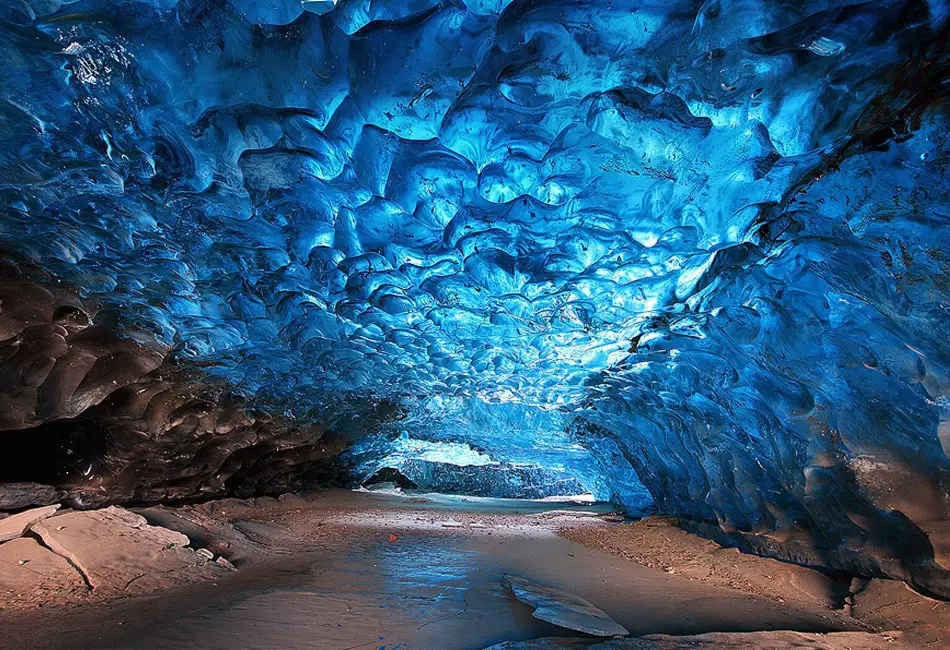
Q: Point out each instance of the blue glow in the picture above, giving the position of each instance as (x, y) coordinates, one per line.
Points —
(705, 243)
(454, 453)
(492, 213)
(522, 451)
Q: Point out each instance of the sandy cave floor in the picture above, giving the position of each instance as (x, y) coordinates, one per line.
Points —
(342, 570)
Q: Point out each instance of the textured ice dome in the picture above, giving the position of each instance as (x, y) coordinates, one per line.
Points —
(706, 240)
(420, 198)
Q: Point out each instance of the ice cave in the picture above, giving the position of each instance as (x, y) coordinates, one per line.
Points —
(449, 324)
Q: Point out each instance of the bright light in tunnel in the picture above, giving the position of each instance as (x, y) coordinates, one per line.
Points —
(453, 453)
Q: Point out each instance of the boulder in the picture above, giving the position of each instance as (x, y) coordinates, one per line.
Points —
(16, 496)
(16, 525)
(114, 548)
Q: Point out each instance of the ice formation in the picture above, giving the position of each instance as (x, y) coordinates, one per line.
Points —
(503, 450)
(705, 241)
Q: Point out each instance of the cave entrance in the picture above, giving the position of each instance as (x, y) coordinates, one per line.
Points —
(410, 465)
(54, 453)
(387, 477)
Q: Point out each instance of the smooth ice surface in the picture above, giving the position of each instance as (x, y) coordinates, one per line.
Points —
(708, 238)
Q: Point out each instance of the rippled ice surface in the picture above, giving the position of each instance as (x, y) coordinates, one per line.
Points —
(416, 198)
(706, 239)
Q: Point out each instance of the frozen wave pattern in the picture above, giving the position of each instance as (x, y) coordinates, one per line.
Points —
(473, 202)
(715, 232)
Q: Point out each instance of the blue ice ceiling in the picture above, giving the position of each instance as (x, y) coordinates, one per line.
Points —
(704, 242)
(417, 198)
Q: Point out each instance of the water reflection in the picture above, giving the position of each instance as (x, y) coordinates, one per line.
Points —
(427, 581)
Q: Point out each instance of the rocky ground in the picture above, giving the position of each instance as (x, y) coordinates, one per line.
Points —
(66, 557)
(54, 557)
(720, 641)
(659, 543)
(74, 567)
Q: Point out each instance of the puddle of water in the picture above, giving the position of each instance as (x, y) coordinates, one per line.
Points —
(485, 505)
(417, 564)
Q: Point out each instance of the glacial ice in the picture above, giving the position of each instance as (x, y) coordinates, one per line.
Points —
(697, 244)
(482, 449)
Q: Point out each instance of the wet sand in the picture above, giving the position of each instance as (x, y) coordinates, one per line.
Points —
(345, 571)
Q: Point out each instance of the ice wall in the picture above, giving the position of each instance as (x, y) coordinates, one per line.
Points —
(467, 446)
(709, 236)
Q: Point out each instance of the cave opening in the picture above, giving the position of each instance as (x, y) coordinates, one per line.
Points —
(55, 453)
(610, 318)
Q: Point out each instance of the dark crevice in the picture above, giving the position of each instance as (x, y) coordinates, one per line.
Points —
(54, 453)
